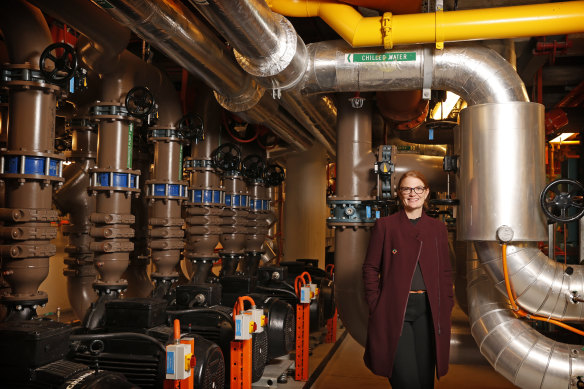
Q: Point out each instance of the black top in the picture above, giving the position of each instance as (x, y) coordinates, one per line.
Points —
(417, 280)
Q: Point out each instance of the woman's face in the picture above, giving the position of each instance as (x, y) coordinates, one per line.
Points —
(408, 193)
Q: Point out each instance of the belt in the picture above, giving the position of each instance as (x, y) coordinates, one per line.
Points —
(417, 291)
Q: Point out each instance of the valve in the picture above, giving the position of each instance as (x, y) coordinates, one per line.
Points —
(559, 196)
(191, 127)
(226, 157)
(253, 167)
(140, 102)
(274, 175)
(64, 63)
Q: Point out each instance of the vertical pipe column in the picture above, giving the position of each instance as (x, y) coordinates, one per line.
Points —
(234, 222)
(258, 224)
(74, 199)
(205, 202)
(29, 166)
(355, 161)
(113, 182)
(166, 191)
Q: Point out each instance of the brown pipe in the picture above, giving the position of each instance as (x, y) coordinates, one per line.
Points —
(354, 144)
(27, 230)
(73, 199)
(406, 108)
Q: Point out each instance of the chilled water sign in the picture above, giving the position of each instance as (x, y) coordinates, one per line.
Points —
(380, 57)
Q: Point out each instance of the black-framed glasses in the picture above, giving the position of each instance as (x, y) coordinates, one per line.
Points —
(408, 190)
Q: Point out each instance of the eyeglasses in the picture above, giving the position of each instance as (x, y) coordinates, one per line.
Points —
(408, 190)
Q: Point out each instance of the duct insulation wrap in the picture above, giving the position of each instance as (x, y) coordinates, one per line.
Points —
(501, 172)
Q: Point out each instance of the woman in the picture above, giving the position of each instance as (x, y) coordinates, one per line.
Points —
(408, 287)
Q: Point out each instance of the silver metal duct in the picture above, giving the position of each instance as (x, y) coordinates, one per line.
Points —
(477, 74)
(173, 29)
(502, 171)
(277, 60)
(543, 287)
(429, 165)
(516, 350)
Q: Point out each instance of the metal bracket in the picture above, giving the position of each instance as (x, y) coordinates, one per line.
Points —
(439, 22)
(386, 32)
(428, 68)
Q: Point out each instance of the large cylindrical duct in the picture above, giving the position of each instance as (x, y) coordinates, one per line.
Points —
(354, 182)
(501, 173)
(516, 350)
(29, 166)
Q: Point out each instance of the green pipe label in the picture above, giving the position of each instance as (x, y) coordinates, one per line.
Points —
(130, 144)
(180, 163)
(380, 57)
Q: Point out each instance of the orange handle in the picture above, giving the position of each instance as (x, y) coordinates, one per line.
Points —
(238, 307)
(176, 329)
(297, 281)
(331, 267)
(307, 274)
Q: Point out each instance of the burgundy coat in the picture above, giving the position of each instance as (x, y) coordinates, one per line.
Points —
(388, 270)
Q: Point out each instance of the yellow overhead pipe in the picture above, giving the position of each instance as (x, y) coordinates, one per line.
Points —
(438, 27)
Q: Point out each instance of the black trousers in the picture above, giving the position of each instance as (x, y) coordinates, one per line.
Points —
(415, 359)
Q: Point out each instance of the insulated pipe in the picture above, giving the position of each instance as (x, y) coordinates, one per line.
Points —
(477, 74)
(277, 60)
(355, 160)
(516, 350)
(390, 30)
(29, 166)
(174, 30)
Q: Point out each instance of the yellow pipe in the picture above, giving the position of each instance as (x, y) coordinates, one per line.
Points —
(438, 27)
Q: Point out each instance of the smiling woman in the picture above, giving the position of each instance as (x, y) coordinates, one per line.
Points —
(408, 287)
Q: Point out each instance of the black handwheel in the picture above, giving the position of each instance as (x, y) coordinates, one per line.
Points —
(274, 175)
(139, 101)
(253, 167)
(559, 197)
(191, 127)
(64, 62)
(444, 202)
(226, 157)
(62, 144)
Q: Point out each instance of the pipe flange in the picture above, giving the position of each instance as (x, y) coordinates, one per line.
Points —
(353, 211)
(117, 180)
(110, 111)
(23, 76)
(102, 287)
(19, 302)
(31, 166)
(166, 190)
(212, 197)
(191, 164)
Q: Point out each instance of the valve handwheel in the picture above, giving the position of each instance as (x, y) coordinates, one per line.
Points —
(58, 62)
(559, 197)
(191, 127)
(253, 166)
(226, 157)
(274, 175)
(139, 101)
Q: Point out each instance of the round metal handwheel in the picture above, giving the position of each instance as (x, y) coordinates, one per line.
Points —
(139, 102)
(58, 63)
(226, 157)
(560, 197)
(191, 127)
(253, 167)
(274, 175)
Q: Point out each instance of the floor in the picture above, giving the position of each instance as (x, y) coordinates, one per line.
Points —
(340, 365)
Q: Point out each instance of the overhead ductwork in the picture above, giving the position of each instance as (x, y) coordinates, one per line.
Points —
(174, 30)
